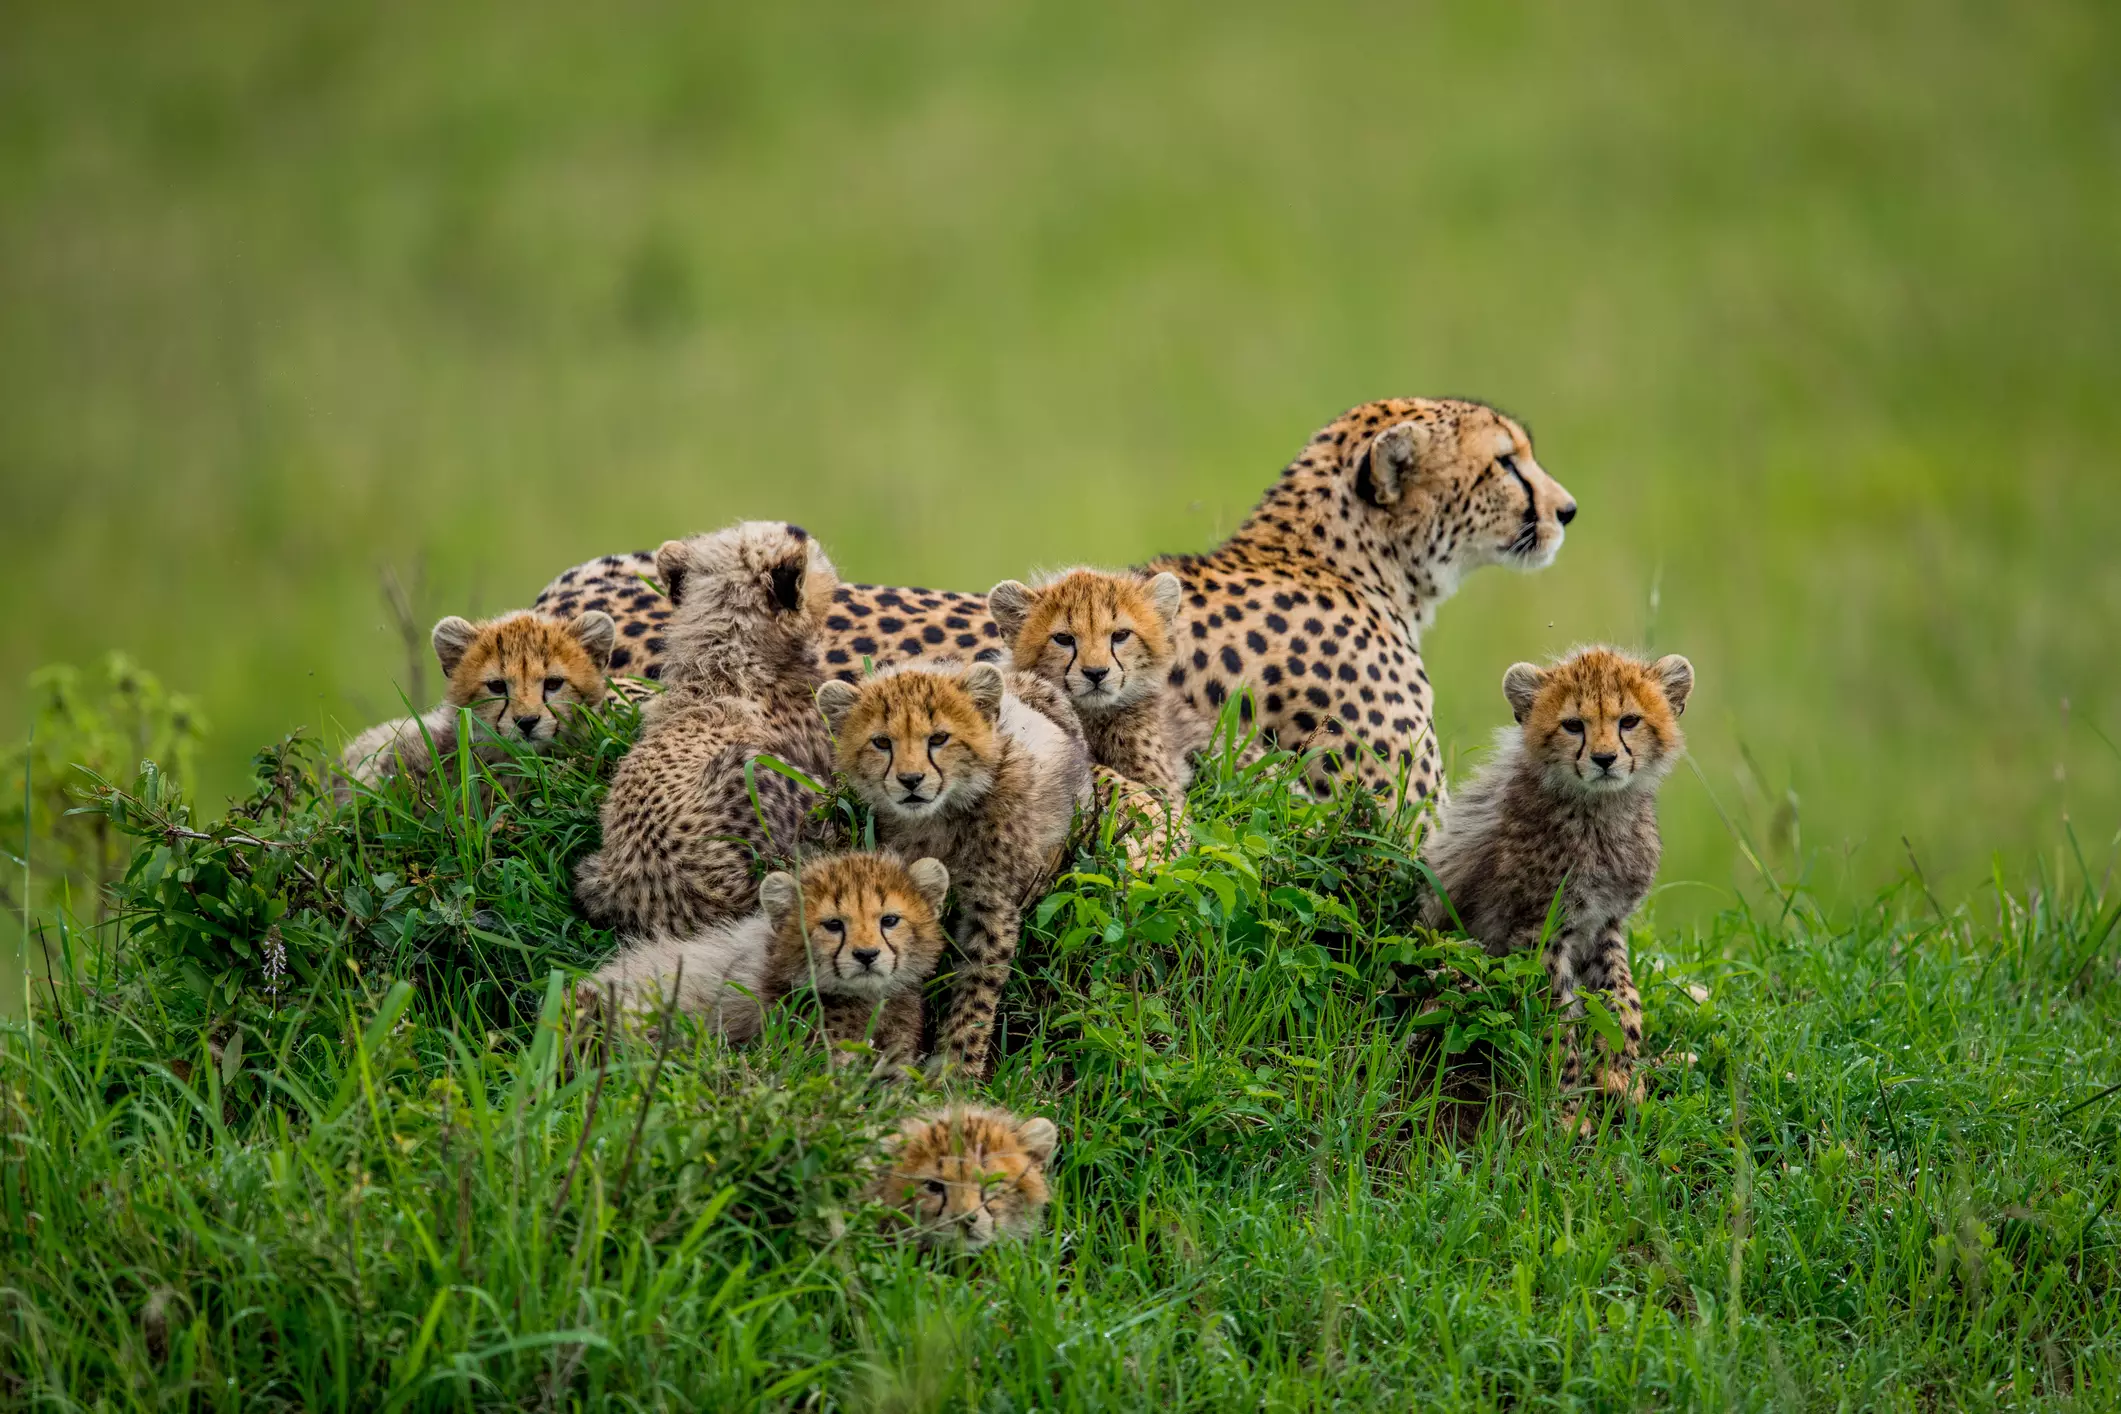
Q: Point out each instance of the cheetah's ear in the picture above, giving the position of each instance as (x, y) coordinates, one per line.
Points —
(1167, 594)
(932, 879)
(786, 582)
(983, 683)
(778, 895)
(1677, 675)
(1520, 685)
(671, 564)
(453, 638)
(597, 634)
(1010, 604)
(1393, 459)
(1040, 1139)
(836, 699)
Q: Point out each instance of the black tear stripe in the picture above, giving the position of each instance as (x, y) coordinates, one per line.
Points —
(1531, 502)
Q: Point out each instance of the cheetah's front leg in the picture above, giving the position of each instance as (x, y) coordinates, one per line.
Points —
(986, 946)
(1616, 1073)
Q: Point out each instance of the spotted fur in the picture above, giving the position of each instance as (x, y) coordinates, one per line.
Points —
(967, 1177)
(864, 931)
(1317, 604)
(681, 833)
(519, 677)
(1568, 805)
(958, 765)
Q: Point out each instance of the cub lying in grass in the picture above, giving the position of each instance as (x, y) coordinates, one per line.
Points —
(966, 1177)
(1568, 804)
(864, 930)
(520, 676)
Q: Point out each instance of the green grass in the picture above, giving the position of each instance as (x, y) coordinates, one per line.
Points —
(1814, 308)
(1878, 1167)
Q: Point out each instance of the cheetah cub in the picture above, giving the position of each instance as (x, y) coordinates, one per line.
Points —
(967, 1177)
(520, 676)
(864, 930)
(1105, 639)
(958, 763)
(1568, 804)
(680, 828)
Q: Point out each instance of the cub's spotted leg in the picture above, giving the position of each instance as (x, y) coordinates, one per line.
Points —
(986, 946)
(1616, 1074)
(1146, 824)
(894, 1030)
(1564, 978)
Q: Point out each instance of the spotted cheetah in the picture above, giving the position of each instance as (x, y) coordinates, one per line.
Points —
(520, 676)
(958, 767)
(863, 931)
(681, 828)
(1568, 804)
(968, 1176)
(1317, 604)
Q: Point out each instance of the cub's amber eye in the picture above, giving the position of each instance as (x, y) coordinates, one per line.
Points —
(939, 739)
(497, 687)
(1121, 635)
(935, 1187)
(1065, 640)
(888, 922)
(881, 743)
(833, 925)
(1572, 725)
(553, 685)
(1630, 722)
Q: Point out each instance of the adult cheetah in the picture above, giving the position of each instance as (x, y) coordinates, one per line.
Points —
(1317, 603)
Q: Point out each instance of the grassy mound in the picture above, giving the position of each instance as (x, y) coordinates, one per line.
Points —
(304, 1134)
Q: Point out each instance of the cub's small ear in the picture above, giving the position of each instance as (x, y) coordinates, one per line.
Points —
(1010, 604)
(1519, 686)
(1040, 1139)
(983, 683)
(1167, 593)
(453, 638)
(1677, 675)
(786, 582)
(597, 634)
(836, 699)
(1393, 459)
(778, 894)
(672, 562)
(932, 879)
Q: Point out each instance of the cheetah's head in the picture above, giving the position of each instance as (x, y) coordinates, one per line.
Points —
(966, 1177)
(1105, 639)
(863, 925)
(758, 589)
(1599, 722)
(523, 674)
(1445, 487)
(919, 739)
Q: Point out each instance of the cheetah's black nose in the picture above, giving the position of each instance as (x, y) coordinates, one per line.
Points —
(1604, 759)
(1566, 513)
(526, 725)
(865, 956)
(1096, 676)
(911, 780)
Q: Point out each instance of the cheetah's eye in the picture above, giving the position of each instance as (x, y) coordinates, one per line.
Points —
(1630, 722)
(553, 685)
(935, 1186)
(939, 739)
(833, 925)
(881, 743)
(1572, 725)
(1065, 640)
(888, 922)
(497, 687)
(1121, 635)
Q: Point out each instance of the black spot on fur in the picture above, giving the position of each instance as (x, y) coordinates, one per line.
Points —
(1231, 661)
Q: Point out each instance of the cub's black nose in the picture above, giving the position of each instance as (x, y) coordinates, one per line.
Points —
(1566, 513)
(1096, 676)
(911, 780)
(1604, 759)
(865, 956)
(526, 725)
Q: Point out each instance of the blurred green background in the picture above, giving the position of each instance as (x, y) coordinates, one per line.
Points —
(1815, 307)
